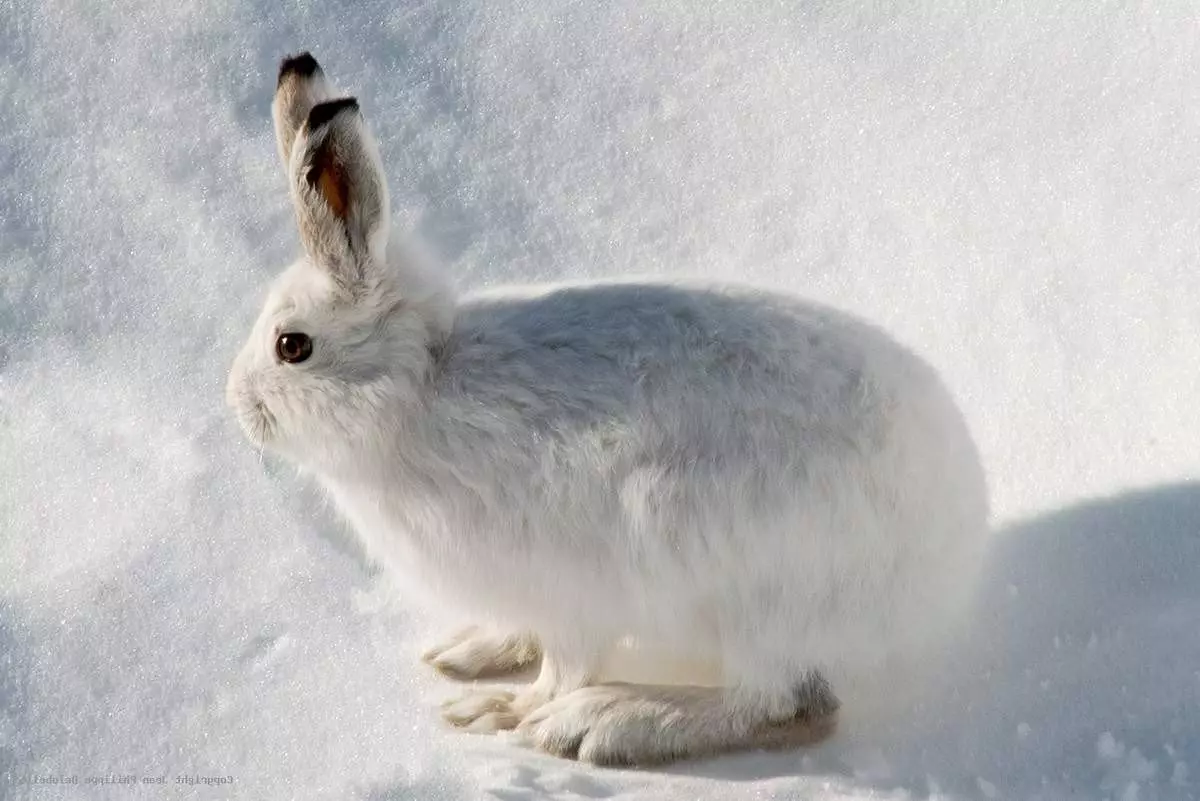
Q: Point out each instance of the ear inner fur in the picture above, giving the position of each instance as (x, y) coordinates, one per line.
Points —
(329, 179)
(326, 174)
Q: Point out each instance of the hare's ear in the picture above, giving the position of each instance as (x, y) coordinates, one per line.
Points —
(334, 172)
(301, 86)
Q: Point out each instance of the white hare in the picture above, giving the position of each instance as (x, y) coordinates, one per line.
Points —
(769, 485)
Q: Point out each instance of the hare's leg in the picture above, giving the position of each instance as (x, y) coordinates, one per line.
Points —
(478, 653)
(564, 668)
(638, 724)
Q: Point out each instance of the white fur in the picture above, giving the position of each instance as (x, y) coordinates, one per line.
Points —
(737, 474)
(476, 653)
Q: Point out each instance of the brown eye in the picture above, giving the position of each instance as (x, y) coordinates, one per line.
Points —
(293, 348)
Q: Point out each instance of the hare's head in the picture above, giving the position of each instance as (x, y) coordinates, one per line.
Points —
(342, 347)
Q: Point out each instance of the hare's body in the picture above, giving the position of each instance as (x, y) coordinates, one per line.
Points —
(750, 476)
(766, 485)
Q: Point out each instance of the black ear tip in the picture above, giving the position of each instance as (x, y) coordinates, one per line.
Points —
(322, 113)
(301, 64)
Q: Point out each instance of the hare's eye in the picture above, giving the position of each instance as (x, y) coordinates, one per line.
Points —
(293, 348)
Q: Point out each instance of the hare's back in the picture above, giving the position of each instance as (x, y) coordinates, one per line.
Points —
(688, 359)
(661, 408)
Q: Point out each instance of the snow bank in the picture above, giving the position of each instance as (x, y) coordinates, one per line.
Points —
(1012, 191)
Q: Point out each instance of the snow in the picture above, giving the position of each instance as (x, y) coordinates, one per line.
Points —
(1011, 189)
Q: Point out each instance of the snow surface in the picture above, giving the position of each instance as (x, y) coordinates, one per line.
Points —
(1012, 188)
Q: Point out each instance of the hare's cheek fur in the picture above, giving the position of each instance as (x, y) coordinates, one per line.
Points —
(733, 477)
(293, 410)
(267, 397)
(246, 402)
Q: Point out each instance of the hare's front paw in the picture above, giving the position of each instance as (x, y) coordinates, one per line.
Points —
(478, 653)
(491, 710)
(482, 711)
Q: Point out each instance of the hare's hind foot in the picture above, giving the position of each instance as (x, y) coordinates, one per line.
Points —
(637, 725)
(479, 653)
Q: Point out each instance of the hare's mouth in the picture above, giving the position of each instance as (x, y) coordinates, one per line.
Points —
(266, 421)
(258, 422)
